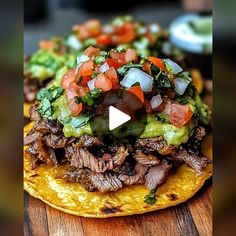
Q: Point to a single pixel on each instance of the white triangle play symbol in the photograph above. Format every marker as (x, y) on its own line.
(117, 118)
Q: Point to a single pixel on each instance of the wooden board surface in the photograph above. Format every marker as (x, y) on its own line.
(191, 218)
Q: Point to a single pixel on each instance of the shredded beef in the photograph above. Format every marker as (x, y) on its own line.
(157, 175)
(40, 152)
(197, 162)
(120, 155)
(87, 140)
(137, 178)
(31, 137)
(81, 176)
(145, 159)
(91, 181)
(57, 141)
(106, 182)
(81, 157)
(199, 133)
(155, 144)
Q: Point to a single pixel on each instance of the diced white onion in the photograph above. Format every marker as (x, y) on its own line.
(108, 29)
(181, 85)
(82, 58)
(167, 109)
(142, 30)
(174, 66)
(90, 84)
(156, 101)
(104, 67)
(135, 75)
(154, 28)
(74, 42)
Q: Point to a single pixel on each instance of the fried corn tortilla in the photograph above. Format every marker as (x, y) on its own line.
(44, 184)
(26, 109)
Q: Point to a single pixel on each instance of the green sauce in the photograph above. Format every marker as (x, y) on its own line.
(172, 134)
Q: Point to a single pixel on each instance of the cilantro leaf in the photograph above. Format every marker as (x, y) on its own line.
(79, 121)
(123, 69)
(99, 59)
(89, 98)
(163, 118)
(46, 96)
(163, 82)
(151, 197)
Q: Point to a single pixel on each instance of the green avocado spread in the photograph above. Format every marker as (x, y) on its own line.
(44, 64)
(76, 126)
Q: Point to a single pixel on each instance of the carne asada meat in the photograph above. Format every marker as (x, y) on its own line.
(57, 140)
(87, 140)
(91, 181)
(31, 137)
(81, 176)
(120, 155)
(39, 151)
(137, 178)
(199, 133)
(81, 157)
(197, 162)
(106, 182)
(155, 144)
(145, 159)
(157, 175)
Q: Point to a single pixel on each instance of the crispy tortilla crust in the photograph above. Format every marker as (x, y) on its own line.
(26, 109)
(43, 184)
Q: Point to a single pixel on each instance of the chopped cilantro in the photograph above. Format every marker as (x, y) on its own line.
(79, 121)
(163, 118)
(46, 97)
(122, 70)
(163, 82)
(89, 98)
(99, 59)
(94, 75)
(151, 197)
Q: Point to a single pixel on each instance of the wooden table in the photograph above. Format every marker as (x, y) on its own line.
(191, 218)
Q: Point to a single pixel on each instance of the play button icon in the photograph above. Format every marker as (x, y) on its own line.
(119, 113)
(117, 118)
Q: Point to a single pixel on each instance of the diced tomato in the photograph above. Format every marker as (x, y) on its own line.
(75, 90)
(113, 63)
(180, 114)
(81, 31)
(130, 55)
(102, 82)
(118, 56)
(147, 67)
(46, 44)
(68, 77)
(124, 38)
(138, 92)
(75, 108)
(112, 75)
(104, 39)
(157, 62)
(91, 51)
(124, 33)
(93, 27)
(83, 80)
(86, 68)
